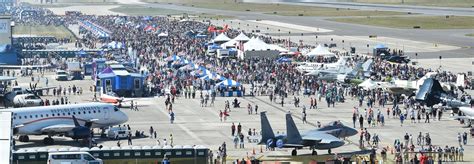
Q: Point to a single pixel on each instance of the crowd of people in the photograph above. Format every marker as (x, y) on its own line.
(267, 77)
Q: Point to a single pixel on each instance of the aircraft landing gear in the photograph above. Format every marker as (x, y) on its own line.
(329, 151)
(24, 138)
(48, 141)
(314, 152)
(294, 152)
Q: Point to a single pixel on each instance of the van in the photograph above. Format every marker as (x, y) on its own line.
(72, 158)
(62, 75)
(118, 133)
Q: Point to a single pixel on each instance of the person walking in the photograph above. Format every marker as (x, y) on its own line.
(233, 129)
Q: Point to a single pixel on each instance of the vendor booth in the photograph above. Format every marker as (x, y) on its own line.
(229, 88)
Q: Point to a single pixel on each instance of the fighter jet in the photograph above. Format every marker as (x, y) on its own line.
(343, 73)
(324, 138)
(307, 67)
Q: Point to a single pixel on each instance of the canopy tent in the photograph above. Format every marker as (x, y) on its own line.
(221, 38)
(228, 83)
(230, 43)
(380, 46)
(283, 60)
(241, 37)
(277, 47)
(256, 44)
(115, 45)
(163, 34)
(320, 51)
(213, 76)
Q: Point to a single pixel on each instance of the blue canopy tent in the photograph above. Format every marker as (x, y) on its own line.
(380, 46)
(283, 60)
(213, 76)
(229, 83)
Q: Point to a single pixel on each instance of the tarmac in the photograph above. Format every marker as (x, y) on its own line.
(195, 125)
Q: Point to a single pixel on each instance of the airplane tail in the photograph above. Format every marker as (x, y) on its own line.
(292, 133)
(267, 131)
(367, 67)
(430, 92)
(355, 70)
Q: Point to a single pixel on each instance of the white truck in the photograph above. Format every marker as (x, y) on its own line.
(118, 133)
(72, 158)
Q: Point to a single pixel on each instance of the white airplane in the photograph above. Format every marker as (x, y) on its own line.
(27, 100)
(397, 87)
(468, 115)
(309, 67)
(64, 120)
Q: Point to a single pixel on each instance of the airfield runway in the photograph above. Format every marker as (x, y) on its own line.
(195, 125)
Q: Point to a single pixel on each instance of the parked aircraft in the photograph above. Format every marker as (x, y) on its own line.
(64, 120)
(306, 67)
(397, 87)
(22, 97)
(327, 137)
(343, 73)
(431, 93)
(466, 114)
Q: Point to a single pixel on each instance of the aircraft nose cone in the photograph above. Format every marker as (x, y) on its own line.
(122, 118)
(352, 131)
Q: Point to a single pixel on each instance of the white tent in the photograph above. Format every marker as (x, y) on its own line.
(277, 47)
(230, 43)
(242, 37)
(256, 44)
(221, 38)
(320, 51)
(163, 34)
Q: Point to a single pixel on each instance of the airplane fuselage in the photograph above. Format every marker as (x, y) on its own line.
(33, 120)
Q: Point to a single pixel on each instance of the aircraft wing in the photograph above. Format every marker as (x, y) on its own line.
(7, 78)
(464, 117)
(44, 88)
(59, 128)
(320, 137)
(129, 99)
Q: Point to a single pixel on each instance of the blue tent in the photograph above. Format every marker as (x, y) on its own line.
(213, 76)
(380, 46)
(283, 60)
(228, 83)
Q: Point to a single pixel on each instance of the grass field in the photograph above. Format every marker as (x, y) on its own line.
(471, 35)
(425, 22)
(56, 31)
(285, 10)
(446, 3)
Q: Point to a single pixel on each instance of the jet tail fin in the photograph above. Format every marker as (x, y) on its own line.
(430, 92)
(267, 131)
(356, 69)
(292, 133)
(76, 123)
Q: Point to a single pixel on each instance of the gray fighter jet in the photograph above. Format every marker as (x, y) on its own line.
(324, 138)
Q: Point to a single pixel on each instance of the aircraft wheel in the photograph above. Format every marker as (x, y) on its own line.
(294, 153)
(48, 141)
(314, 152)
(21, 138)
(329, 151)
(24, 138)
